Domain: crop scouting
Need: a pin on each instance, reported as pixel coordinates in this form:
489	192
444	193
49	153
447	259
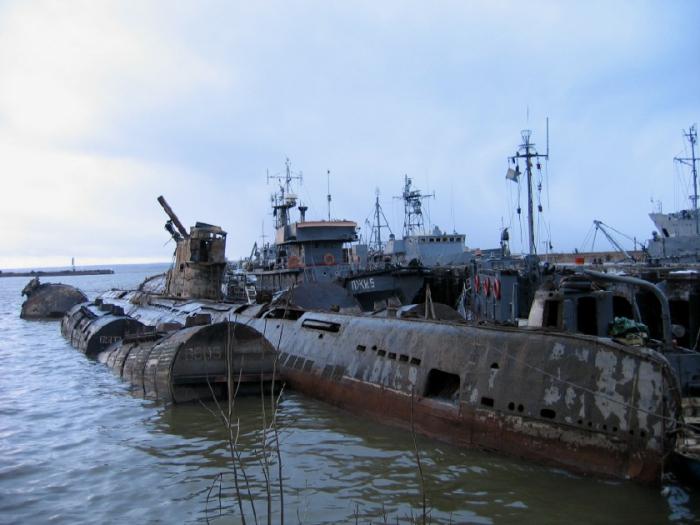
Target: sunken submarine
195	355
49	300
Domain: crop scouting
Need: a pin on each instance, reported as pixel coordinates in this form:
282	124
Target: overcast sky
106	105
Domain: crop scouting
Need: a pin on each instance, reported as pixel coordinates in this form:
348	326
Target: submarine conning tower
200	259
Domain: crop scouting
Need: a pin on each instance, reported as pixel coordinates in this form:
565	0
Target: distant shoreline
54	273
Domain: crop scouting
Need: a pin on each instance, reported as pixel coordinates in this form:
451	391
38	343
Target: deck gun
173	226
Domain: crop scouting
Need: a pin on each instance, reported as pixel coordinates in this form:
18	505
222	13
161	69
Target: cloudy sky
106	105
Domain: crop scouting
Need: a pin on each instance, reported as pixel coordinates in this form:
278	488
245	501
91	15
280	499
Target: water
77	447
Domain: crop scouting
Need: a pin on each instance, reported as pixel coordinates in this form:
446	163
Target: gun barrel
173	217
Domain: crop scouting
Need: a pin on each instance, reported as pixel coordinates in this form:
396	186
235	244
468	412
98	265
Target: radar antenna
284	200
692	136
413	208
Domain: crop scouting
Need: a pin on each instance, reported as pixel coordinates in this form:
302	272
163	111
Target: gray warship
319	251
677	239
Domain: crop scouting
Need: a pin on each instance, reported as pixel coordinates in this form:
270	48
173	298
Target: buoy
328	259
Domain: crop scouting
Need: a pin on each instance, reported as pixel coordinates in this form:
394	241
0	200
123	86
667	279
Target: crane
600	225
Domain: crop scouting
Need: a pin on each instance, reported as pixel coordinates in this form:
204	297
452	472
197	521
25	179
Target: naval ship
323	251
677	239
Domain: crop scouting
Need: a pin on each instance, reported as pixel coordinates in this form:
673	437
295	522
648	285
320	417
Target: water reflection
336	465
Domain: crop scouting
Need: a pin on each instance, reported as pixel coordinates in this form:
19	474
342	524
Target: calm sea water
77	447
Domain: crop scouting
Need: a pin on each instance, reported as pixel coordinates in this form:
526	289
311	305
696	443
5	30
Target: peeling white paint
610	403
412	376
557	351
352	368
474	396
581	354
492	376
386	373
551	395
570	397
376	371
628	369
646	389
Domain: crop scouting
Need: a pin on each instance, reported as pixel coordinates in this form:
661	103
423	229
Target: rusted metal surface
171	214
580	402
49	300
92	332
575	401
200	263
192	363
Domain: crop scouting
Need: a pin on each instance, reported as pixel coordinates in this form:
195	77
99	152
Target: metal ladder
250	294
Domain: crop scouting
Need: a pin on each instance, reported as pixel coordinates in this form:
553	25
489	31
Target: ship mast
328	195
528	152
413	208
692	136
284	200
380	222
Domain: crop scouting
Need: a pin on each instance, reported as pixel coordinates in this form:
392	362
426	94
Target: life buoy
328	259
497	289
487	286
293	262
477	283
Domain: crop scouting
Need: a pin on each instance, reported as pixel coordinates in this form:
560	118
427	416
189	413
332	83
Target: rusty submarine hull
49	300
581	402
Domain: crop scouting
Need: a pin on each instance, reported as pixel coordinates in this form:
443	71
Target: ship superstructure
678	235
421	246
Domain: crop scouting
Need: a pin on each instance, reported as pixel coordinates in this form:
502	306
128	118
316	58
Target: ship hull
575	402
583	403
483	429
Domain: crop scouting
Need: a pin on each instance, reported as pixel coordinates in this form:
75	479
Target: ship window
403	358
284	313
586	316
415	361
442	385
204	251
487	401
548	413
361	348
622	307
392	355
319	324
381	353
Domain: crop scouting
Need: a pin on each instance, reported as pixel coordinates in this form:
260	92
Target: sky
106	105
